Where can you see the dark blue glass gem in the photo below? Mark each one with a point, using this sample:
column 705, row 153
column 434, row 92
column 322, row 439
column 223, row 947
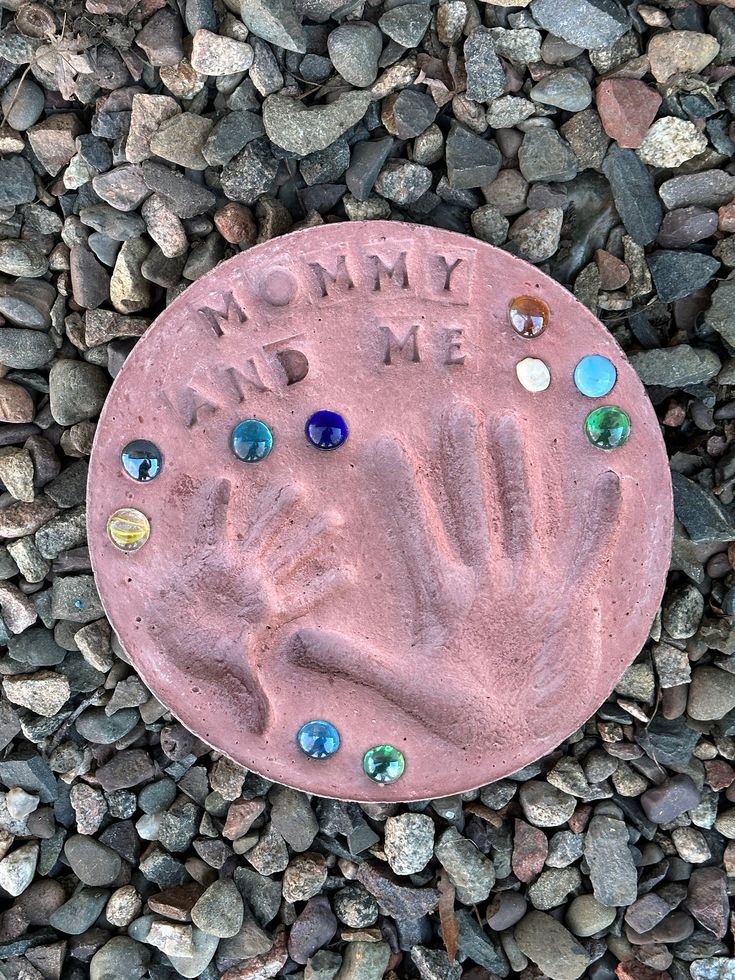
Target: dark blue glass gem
column 318, row 739
column 142, row 460
column 326, row 430
column 251, row 440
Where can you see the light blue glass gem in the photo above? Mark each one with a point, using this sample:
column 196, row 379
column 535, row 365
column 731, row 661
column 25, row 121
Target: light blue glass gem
column 251, row 440
column 595, row 376
column 318, row 739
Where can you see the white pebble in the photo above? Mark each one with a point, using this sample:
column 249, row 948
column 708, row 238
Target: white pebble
column 533, row 374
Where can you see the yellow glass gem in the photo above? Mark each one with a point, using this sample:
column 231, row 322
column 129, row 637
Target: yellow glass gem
column 128, row 529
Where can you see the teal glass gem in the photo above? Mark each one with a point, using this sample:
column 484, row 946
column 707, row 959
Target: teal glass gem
column 607, row 427
column 251, row 440
column 595, row 376
column 384, row 763
column 318, row 739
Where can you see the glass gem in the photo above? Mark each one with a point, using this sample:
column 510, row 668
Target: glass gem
column 128, row 529
column 533, row 374
column 384, row 764
column 142, row 460
column 607, row 427
column 595, row 376
column 326, row 430
column 318, row 739
column 528, row 316
column 251, row 440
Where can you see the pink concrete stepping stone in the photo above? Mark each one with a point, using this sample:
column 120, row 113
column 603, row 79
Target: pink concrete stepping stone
column 379, row 511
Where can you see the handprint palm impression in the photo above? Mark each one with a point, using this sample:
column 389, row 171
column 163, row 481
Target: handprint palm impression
column 450, row 572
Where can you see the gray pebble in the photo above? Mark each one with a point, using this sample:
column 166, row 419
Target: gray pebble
column 544, row 155
column 634, row 194
column 586, row 916
column 290, row 125
column 471, row 160
column 402, row 181
column 485, row 74
column 22, row 103
column 219, row 911
column 80, row 912
column 611, row 868
column 472, row 874
column 711, row 694
column 676, row 274
column 565, row 89
column 683, row 610
column 354, row 906
column 586, row 23
column 355, row 48
column 505, row 910
column 229, row 135
column 25, row 349
column 120, row 956
column 77, row 390
column 406, row 24
column 275, row 21
column 671, row 798
column 93, row 863
column 409, row 842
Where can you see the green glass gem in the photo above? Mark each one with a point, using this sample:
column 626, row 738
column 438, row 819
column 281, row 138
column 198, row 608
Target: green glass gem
column 607, row 427
column 384, row 764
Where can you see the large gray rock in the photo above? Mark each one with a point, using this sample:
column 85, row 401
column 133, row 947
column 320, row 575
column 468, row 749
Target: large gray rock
column 544, row 155
column 634, row 194
column 551, row 947
column 355, row 49
column 290, row 125
column 485, row 73
column 612, row 871
column 586, row 23
column 275, row 21
column 676, row 367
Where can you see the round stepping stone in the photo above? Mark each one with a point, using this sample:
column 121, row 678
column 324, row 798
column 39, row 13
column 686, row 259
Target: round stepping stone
column 463, row 579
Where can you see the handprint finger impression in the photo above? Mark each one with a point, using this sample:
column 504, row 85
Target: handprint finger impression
column 379, row 511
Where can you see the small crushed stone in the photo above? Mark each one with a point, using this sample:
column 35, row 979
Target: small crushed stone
column 141, row 144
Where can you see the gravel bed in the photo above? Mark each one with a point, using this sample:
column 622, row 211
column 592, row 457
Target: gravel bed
column 141, row 144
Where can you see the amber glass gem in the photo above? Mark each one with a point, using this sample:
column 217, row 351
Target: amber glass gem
column 529, row 316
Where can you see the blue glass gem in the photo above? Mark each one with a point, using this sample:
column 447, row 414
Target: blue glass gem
column 251, row 440
column 142, row 460
column 318, row 739
column 595, row 376
column 79, row 603
column 326, row 430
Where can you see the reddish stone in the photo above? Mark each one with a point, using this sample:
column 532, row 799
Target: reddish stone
column 627, row 107
column 236, row 223
column 177, row 902
column 580, row 818
column 241, row 816
column 635, row 970
column 16, row 404
column 707, row 899
column 614, row 273
column 726, row 216
column 719, row 774
column 530, row 848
